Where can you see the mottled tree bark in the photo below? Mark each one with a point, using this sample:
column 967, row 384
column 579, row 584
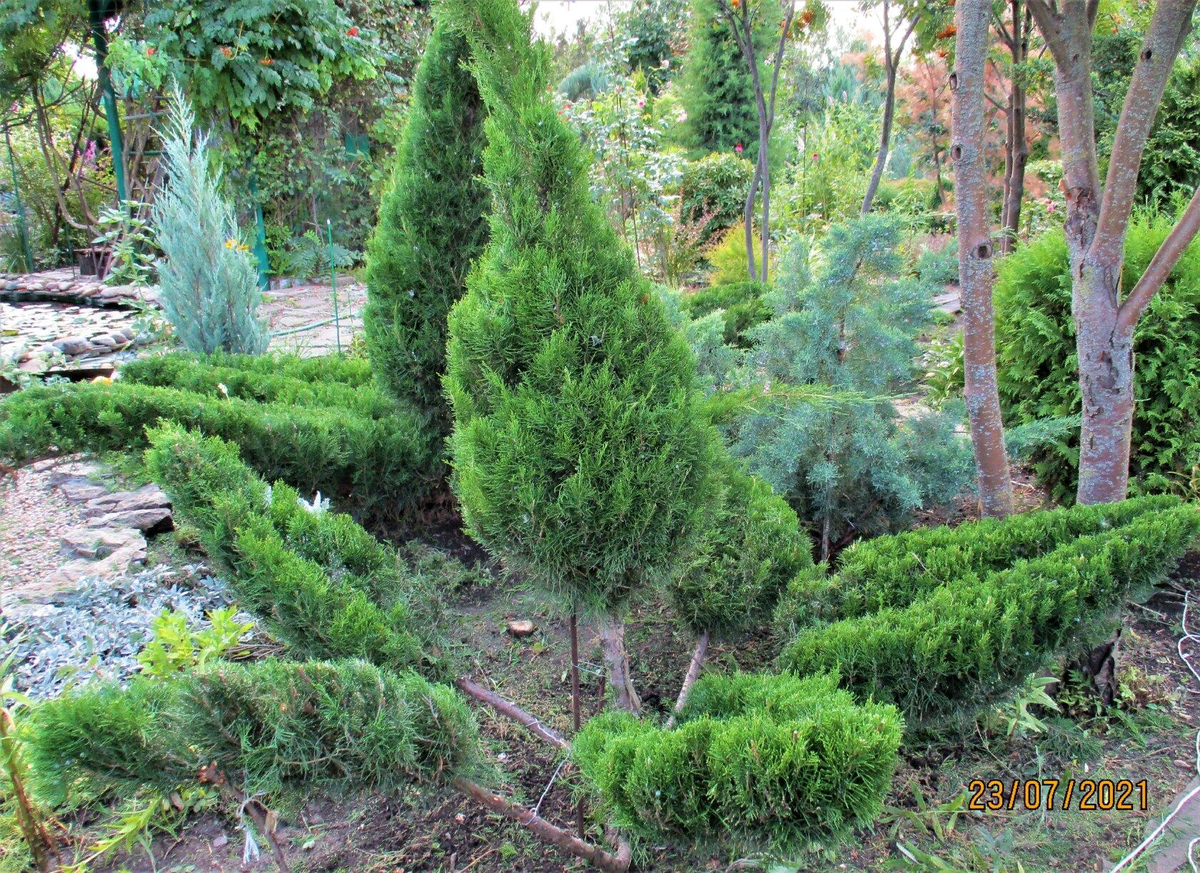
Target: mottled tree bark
column 976, row 268
column 612, row 643
column 1016, row 152
column 1097, row 220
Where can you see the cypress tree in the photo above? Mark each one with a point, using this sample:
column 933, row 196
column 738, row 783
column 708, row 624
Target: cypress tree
column 579, row 453
column 431, row 226
column 718, row 93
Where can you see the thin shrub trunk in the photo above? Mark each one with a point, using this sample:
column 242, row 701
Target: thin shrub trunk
column 616, row 660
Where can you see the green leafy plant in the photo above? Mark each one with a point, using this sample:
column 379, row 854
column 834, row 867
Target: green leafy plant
column 727, row 256
column 208, row 282
column 714, row 188
column 130, row 240
column 945, row 376
column 308, row 256
column 175, row 646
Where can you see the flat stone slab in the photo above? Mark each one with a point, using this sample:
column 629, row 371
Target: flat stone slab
column 76, row 473
column 96, row 543
column 147, row 497
column 152, row 520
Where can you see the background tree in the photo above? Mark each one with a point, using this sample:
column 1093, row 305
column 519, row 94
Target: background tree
column 1097, row 219
column 432, row 224
column 579, row 453
column 975, row 256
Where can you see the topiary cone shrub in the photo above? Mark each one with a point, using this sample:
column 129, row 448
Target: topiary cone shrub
column 431, row 226
column 579, row 454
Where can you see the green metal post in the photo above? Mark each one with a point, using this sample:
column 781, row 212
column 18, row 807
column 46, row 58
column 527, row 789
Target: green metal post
column 96, row 13
column 12, row 166
column 337, row 325
column 260, row 237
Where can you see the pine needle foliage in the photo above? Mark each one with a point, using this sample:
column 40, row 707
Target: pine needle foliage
column 1037, row 363
column 365, row 463
column 849, row 465
column 270, row 725
column 975, row 638
column 578, row 452
column 894, row 571
column 432, row 225
column 208, row 284
column 765, row 761
column 320, row 582
column 752, row 547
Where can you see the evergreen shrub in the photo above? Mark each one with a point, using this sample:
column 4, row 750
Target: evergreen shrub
column 767, row 760
column 378, row 464
column 894, row 571
column 322, row 583
column 432, row 224
column 206, row 375
column 715, row 186
column 578, row 452
column 208, row 284
column 267, row 725
column 1037, row 366
column 976, row 637
column 727, row 256
column 742, row 303
column 752, row 546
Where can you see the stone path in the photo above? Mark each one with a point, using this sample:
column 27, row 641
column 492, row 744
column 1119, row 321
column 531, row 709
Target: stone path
column 50, row 323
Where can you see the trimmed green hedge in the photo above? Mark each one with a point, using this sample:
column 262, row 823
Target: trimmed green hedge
column 772, row 760
column 381, row 464
column 321, row 582
column 982, row 634
column 218, row 381
column 893, row 571
column 267, row 725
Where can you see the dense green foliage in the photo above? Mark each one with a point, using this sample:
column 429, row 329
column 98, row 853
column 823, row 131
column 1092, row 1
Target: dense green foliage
column 752, row 547
column 578, row 452
column 1036, row 358
column 268, row 725
column 208, row 284
column 220, row 376
column 718, row 93
column 714, row 187
column 983, row 633
column 849, row 465
column 320, row 582
column 362, row 462
column 766, row 760
column 742, row 303
column 431, row 226
column 894, row 571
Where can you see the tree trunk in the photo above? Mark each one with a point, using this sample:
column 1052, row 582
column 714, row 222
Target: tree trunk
column 885, row 138
column 766, row 204
column 612, row 641
column 1017, row 147
column 975, row 263
column 1096, row 226
column 689, row 680
column 748, row 217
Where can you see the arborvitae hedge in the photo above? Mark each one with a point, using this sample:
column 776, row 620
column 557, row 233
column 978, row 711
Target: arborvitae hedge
column 1036, row 358
column 321, row 583
column 981, row 634
column 894, row 571
column 769, row 760
column 579, row 453
column 363, row 463
column 431, row 226
column 752, row 547
column 214, row 378
column 266, row 725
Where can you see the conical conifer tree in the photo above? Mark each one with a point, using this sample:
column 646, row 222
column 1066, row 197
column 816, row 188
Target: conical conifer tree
column 432, row 224
column 579, row 454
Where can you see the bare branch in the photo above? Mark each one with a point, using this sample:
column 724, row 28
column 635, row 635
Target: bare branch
column 1161, row 264
column 1002, row 31
column 1048, row 23
column 510, row 710
column 689, row 680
